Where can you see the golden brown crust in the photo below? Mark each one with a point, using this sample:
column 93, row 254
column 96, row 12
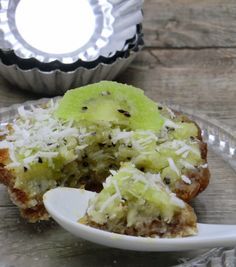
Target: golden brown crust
column 6, row 177
column 200, row 176
column 184, row 118
column 199, row 181
column 4, row 155
column 35, row 214
column 182, row 224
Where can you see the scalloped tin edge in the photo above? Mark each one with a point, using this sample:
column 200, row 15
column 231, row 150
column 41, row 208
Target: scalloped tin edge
column 10, row 58
column 123, row 28
column 57, row 82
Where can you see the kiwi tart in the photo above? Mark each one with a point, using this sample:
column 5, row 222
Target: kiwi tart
column 136, row 203
column 94, row 130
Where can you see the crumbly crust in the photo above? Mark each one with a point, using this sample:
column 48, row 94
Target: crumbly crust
column 199, row 180
column 199, row 177
column 182, row 224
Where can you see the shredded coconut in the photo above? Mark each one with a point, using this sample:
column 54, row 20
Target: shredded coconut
column 204, row 166
column 186, row 179
column 186, row 164
column 171, row 124
column 37, row 133
column 173, row 166
column 108, row 202
column 117, row 188
column 171, row 113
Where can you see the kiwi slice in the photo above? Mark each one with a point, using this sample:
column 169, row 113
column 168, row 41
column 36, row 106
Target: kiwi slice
column 111, row 102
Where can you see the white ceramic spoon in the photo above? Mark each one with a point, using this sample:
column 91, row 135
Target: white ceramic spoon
column 68, row 205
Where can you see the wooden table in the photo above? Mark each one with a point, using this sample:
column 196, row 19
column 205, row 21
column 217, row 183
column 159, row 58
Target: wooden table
column 189, row 59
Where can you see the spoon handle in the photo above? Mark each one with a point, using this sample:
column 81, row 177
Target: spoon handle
column 217, row 229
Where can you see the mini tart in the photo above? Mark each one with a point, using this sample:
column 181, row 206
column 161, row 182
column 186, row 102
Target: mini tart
column 139, row 204
column 41, row 151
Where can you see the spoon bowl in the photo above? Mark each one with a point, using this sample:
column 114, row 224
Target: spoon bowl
column 68, row 205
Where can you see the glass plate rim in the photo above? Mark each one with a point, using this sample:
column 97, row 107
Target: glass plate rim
column 225, row 144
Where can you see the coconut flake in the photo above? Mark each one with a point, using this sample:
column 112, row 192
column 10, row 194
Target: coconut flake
column 117, row 188
column 173, row 166
column 171, row 124
column 113, row 172
column 186, row 179
column 177, row 201
column 182, row 149
column 37, row 133
column 204, row 166
column 108, row 202
column 186, row 164
column 118, row 135
column 185, row 154
column 171, row 113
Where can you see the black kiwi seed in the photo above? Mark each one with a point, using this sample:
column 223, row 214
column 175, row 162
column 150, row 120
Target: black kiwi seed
column 160, row 108
column 84, row 108
column 166, row 180
column 25, row 169
column 121, row 110
column 85, row 164
column 112, row 166
column 169, row 129
column 40, row 160
column 101, row 144
column 127, row 114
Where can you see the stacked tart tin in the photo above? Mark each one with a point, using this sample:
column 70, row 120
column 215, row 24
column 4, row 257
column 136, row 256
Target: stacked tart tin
column 50, row 46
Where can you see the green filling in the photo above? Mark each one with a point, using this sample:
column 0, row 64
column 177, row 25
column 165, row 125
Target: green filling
column 95, row 110
column 135, row 201
column 112, row 102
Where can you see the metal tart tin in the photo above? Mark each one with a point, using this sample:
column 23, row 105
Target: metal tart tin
column 10, row 58
column 67, row 31
column 57, row 81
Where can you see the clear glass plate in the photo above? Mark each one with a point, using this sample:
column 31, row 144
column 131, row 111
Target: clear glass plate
column 46, row 244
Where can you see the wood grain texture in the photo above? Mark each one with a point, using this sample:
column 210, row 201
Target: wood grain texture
column 9, row 94
column 189, row 60
column 190, row 23
column 48, row 245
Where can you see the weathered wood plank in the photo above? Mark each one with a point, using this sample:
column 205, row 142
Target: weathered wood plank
column 10, row 95
column 201, row 79
column 4, row 198
column 190, row 23
column 46, row 244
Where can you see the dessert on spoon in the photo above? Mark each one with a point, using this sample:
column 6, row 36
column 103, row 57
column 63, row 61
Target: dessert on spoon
column 144, row 160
